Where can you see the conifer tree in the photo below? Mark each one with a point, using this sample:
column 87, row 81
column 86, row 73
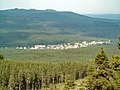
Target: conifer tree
column 101, row 60
column 69, row 82
column 116, row 67
column 116, row 63
column 1, row 57
column 100, row 75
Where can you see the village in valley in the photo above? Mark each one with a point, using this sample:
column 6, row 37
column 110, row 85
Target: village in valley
column 66, row 46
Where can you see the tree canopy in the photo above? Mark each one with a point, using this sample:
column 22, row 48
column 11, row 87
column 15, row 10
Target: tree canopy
column 24, row 75
column 1, row 57
column 101, row 75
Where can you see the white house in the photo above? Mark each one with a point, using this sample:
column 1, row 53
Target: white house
column 40, row 46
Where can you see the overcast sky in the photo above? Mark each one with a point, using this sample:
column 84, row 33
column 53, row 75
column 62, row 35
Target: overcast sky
column 78, row 6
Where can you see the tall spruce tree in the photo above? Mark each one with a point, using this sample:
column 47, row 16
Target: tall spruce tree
column 100, row 74
column 101, row 60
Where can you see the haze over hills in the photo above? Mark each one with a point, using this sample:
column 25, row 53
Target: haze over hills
column 106, row 16
column 20, row 27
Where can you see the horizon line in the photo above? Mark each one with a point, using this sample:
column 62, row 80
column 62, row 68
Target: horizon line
column 53, row 10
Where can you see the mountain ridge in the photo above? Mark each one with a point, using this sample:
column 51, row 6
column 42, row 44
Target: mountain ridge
column 21, row 27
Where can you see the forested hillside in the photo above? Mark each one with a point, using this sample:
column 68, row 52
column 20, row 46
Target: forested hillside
column 20, row 27
column 101, row 74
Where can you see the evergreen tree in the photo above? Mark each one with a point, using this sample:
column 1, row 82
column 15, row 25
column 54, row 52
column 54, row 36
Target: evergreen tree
column 69, row 82
column 101, row 60
column 1, row 57
column 116, row 63
column 116, row 67
column 100, row 75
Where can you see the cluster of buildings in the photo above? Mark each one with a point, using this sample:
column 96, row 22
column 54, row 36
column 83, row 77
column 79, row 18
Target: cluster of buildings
column 66, row 46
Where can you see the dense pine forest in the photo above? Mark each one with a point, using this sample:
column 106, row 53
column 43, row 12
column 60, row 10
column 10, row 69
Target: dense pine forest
column 34, row 75
column 101, row 74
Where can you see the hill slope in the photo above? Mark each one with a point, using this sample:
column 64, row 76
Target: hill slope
column 19, row 27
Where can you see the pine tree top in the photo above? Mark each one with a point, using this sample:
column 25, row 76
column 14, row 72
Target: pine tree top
column 101, row 59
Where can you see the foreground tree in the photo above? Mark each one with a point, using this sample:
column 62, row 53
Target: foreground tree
column 100, row 74
column 116, row 67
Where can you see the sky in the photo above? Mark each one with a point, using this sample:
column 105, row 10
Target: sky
column 78, row 6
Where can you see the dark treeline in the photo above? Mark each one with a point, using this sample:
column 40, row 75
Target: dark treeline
column 20, row 75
